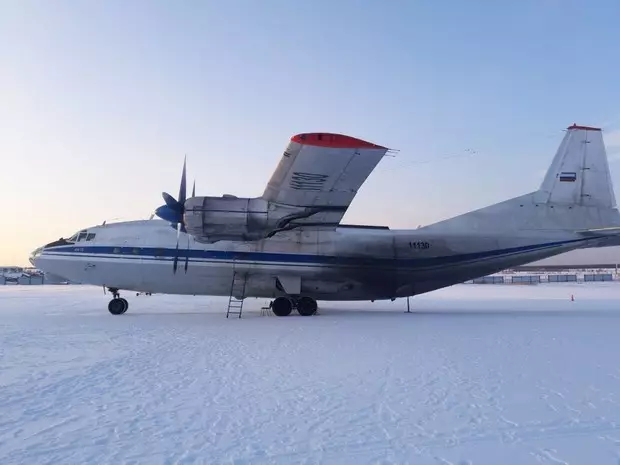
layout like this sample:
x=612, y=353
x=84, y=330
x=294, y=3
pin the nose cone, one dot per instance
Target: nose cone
x=54, y=269
x=36, y=253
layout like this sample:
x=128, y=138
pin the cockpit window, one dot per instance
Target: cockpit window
x=81, y=236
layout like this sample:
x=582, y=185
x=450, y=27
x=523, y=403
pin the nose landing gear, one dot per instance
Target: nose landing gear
x=117, y=305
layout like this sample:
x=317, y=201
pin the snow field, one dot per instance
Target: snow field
x=478, y=374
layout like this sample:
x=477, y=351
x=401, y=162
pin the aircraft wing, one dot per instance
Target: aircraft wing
x=321, y=173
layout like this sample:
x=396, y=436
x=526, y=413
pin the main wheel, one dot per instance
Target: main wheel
x=306, y=306
x=282, y=306
x=117, y=306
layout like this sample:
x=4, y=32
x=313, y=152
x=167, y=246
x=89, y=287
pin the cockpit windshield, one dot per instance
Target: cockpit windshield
x=81, y=236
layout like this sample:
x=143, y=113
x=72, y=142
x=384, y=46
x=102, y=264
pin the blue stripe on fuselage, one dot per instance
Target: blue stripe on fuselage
x=163, y=253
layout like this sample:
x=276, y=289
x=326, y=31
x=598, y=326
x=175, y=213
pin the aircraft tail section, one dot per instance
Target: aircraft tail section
x=576, y=195
x=579, y=173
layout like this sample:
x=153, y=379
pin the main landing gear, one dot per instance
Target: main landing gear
x=283, y=306
x=117, y=305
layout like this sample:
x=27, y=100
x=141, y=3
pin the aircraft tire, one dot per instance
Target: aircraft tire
x=306, y=306
x=117, y=306
x=125, y=304
x=282, y=306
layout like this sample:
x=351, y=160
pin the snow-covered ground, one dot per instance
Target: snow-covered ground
x=478, y=374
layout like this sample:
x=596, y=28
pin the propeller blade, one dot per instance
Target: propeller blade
x=183, y=187
x=174, y=209
x=194, y=189
x=170, y=201
x=187, y=255
x=176, y=253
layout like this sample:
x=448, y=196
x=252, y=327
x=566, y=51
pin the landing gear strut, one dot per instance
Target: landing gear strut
x=117, y=305
x=283, y=306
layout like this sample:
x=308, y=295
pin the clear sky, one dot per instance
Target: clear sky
x=101, y=100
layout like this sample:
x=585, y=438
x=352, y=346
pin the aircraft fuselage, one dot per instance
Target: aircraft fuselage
x=349, y=263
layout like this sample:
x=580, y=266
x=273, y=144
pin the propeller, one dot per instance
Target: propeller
x=173, y=211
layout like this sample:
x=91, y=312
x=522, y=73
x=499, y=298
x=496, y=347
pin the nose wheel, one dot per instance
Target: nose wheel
x=117, y=305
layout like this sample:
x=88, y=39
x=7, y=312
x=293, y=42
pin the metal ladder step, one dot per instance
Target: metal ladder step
x=237, y=288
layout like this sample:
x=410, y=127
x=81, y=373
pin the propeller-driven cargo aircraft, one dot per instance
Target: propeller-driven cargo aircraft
x=289, y=244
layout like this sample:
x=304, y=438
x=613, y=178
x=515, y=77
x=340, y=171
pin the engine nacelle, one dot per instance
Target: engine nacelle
x=230, y=218
x=212, y=219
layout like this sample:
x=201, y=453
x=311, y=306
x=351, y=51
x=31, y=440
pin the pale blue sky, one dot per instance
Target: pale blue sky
x=101, y=100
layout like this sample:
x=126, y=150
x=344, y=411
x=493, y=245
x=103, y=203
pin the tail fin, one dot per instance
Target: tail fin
x=579, y=173
x=576, y=194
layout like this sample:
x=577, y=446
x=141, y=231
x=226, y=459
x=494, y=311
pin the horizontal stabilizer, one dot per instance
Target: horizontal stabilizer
x=611, y=231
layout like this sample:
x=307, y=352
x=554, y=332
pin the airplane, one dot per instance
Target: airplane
x=289, y=244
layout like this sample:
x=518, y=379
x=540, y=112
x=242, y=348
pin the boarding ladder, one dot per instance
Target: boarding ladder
x=237, y=294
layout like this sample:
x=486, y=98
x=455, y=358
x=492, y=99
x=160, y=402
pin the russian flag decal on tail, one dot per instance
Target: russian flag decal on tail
x=568, y=176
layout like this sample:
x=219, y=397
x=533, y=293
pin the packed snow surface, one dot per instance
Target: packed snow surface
x=476, y=374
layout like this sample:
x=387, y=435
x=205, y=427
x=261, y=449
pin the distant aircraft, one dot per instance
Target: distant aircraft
x=289, y=244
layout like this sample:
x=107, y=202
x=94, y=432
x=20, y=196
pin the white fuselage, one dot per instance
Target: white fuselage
x=348, y=263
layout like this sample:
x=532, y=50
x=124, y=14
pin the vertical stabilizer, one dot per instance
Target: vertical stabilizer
x=576, y=194
x=579, y=173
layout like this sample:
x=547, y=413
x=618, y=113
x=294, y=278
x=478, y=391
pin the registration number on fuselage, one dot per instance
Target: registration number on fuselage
x=420, y=245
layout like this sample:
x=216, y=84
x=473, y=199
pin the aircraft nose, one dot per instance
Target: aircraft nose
x=35, y=254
